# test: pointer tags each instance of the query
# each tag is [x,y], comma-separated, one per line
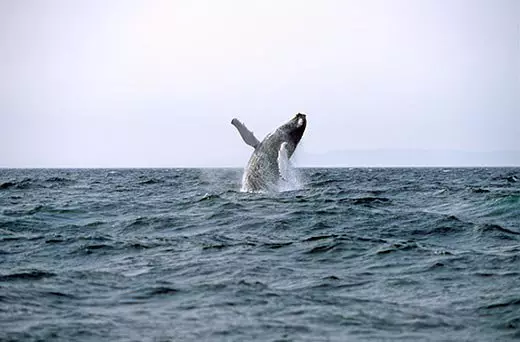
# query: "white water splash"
[290,178]
[243,187]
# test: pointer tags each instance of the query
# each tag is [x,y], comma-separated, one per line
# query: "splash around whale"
[269,167]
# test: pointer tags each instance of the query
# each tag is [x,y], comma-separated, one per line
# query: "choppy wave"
[183,254]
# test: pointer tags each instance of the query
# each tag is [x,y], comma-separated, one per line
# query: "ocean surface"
[422,254]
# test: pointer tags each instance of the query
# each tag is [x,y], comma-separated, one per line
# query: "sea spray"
[391,254]
[290,178]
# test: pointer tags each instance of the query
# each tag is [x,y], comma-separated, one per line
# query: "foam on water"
[290,179]
[182,255]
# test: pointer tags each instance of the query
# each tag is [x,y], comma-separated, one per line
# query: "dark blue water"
[181,254]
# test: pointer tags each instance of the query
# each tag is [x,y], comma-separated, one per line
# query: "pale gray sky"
[156,83]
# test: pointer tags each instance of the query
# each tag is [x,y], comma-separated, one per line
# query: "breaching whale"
[268,163]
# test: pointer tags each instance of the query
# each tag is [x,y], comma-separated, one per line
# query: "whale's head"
[293,130]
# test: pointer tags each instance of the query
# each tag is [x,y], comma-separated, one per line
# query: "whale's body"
[265,168]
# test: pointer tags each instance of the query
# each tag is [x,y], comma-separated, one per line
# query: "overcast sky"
[156,83]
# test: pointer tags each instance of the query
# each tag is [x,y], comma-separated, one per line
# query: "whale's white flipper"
[246,134]
[283,162]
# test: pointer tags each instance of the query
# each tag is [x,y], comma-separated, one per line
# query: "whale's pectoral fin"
[283,162]
[246,134]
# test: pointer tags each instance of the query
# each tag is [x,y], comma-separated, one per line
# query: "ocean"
[359,254]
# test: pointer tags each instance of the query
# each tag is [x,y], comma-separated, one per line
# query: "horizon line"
[242,167]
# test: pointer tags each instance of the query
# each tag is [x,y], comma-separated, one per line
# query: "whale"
[269,162]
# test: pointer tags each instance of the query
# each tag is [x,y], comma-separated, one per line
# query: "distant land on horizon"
[408,158]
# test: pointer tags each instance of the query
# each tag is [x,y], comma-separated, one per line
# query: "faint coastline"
[408,158]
